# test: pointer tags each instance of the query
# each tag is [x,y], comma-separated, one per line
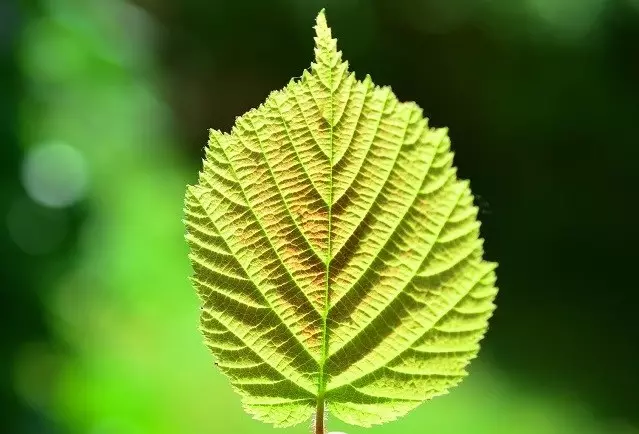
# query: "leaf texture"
[336,253]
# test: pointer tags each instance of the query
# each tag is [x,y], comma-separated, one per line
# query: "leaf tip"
[322,31]
[321,20]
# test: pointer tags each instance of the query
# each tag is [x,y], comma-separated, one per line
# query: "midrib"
[321,386]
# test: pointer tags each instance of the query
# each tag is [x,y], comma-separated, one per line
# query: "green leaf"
[336,254]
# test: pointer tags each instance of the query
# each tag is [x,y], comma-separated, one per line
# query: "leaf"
[336,254]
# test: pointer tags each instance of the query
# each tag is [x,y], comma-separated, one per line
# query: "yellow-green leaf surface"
[336,253]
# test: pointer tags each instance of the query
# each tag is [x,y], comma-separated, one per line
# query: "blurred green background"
[104,110]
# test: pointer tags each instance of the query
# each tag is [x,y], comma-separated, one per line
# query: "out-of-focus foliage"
[540,97]
[21,310]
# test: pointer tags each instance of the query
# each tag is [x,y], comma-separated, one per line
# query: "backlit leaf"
[336,253]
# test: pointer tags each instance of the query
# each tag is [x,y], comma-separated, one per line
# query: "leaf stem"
[319,417]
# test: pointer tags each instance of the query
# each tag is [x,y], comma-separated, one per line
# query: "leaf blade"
[336,253]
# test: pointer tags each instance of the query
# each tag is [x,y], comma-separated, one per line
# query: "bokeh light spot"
[55,175]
